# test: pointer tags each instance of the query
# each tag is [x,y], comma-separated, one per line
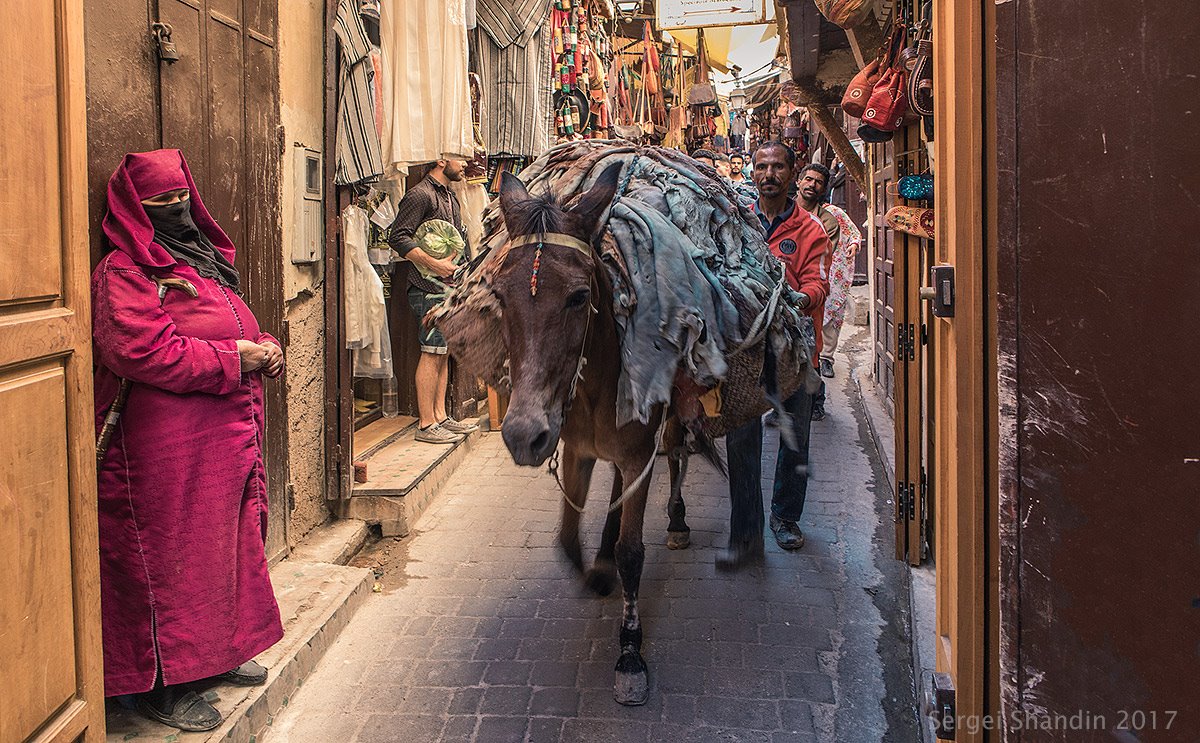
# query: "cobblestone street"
[487,635]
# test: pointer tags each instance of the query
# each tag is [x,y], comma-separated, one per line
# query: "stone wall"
[301,72]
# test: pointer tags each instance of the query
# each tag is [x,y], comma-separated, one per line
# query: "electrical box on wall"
[308,219]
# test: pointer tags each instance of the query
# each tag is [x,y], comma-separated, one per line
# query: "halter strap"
[551,238]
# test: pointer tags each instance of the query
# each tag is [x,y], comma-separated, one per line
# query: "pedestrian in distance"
[180,358]
[798,239]
[431,199]
[844,241]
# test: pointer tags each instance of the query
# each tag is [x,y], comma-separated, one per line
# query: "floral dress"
[841,267]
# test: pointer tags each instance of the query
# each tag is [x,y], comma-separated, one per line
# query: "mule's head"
[547,287]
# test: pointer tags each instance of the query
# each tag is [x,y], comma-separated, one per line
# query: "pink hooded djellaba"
[182,488]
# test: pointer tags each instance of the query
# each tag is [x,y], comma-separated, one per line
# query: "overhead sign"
[701,13]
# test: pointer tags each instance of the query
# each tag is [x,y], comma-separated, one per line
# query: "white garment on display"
[366,309]
[426,96]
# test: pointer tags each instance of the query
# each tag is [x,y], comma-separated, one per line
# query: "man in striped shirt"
[430,199]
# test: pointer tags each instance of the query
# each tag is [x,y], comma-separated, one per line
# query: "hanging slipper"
[913,220]
[915,187]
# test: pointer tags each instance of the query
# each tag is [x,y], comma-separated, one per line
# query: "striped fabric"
[358,147]
[427,104]
[512,46]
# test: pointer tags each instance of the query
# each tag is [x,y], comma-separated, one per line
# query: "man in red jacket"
[798,239]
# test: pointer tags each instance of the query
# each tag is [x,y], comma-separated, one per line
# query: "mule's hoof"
[679,540]
[601,580]
[632,685]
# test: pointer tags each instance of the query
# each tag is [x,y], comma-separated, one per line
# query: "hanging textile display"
[365,307]
[358,144]
[512,56]
[427,102]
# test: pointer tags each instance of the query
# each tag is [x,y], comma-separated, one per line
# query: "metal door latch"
[940,292]
[166,48]
[939,704]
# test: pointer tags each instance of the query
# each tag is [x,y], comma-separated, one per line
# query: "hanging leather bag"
[854,102]
[920,76]
[845,13]
[888,104]
[703,92]
[858,92]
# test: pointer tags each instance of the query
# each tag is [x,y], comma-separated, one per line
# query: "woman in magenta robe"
[183,502]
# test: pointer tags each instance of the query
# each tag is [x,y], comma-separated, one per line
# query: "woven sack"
[845,13]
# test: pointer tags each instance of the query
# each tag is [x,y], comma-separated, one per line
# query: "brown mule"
[557,321]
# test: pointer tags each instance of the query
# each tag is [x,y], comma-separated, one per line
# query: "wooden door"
[50,659]
[1098,299]
[883,316]
[963,424]
[219,104]
[910,375]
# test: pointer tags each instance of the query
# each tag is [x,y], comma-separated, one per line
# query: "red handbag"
[858,92]
[888,105]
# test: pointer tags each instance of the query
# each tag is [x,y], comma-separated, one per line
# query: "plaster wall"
[301,90]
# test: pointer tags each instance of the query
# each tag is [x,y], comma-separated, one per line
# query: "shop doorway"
[219,104]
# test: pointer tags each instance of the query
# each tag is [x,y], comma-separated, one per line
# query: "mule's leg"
[576,476]
[602,578]
[679,536]
[632,685]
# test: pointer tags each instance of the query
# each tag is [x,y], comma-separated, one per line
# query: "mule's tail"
[707,448]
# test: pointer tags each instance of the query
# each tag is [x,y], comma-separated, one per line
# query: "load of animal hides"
[707,320]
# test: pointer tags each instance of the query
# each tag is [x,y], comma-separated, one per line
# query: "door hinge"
[912,343]
[906,502]
[940,704]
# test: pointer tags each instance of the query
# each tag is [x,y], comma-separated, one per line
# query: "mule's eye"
[578,299]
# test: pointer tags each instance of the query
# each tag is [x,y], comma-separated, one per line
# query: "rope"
[552,468]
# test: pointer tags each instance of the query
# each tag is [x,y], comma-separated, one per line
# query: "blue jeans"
[744,449]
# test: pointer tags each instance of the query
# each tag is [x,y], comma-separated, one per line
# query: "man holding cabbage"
[428,232]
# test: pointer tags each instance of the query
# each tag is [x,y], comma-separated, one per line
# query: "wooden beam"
[827,123]
[866,39]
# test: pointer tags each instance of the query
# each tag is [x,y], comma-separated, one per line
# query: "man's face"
[812,185]
[737,163]
[771,174]
[454,169]
[723,168]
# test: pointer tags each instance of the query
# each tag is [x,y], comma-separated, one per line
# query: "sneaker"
[818,412]
[826,365]
[454,426]
[435,434]
[787,533]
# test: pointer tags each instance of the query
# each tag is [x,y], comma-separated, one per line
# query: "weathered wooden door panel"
[50,659]
[219,103]
[1100,312]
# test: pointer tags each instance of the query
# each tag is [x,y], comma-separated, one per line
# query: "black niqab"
[176,231]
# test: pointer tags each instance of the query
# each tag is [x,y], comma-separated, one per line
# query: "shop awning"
[716,39]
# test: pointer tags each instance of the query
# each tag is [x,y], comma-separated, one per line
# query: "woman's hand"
[254,356]
[274,365]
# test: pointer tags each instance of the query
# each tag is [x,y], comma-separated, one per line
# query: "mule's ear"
[593,204]
[512,194]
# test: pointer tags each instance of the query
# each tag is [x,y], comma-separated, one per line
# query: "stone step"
[316,601]
[403,476]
